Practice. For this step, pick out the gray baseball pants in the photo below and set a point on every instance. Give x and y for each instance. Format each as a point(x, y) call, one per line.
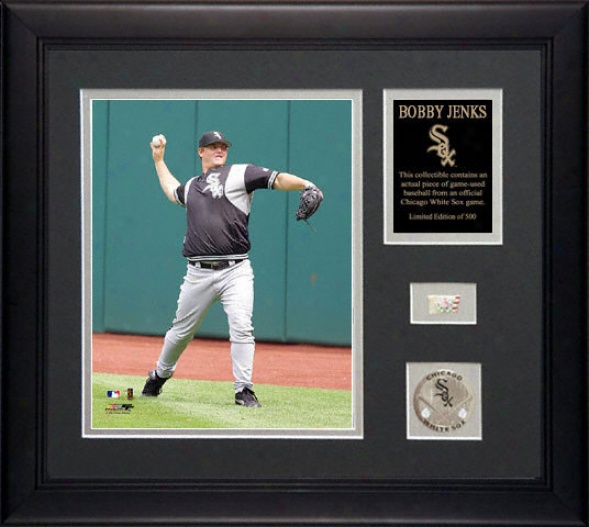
point(234, 287)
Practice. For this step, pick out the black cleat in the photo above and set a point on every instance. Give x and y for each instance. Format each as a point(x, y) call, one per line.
point(153, 385)
point(247, 398)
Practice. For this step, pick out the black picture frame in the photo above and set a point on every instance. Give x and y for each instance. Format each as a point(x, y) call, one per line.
point(33, 495)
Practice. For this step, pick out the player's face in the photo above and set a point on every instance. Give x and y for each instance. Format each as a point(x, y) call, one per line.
point(213, 155)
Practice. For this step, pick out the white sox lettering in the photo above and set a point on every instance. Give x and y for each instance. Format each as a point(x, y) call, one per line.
point(442, 147)
point(214, 186)
point(444, 392)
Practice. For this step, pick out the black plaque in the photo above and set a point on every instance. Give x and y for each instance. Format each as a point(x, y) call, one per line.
point(443, 171)
point(443, 166)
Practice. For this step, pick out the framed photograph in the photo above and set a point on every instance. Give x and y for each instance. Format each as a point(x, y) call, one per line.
point(78, 265)
point(307, 346)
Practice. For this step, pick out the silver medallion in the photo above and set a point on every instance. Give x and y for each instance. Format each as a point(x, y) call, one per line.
point(443, 401)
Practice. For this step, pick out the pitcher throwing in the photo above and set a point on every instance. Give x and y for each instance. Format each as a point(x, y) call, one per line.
point(216, 247)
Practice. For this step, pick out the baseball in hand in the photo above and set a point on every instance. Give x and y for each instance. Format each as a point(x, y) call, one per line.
point(157, 140)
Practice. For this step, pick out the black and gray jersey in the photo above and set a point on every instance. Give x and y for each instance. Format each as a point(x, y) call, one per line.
point(218, 206)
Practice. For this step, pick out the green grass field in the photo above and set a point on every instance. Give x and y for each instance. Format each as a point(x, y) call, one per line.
point(204, 404)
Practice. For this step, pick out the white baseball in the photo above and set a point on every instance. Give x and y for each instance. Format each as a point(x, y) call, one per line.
point(156, 140)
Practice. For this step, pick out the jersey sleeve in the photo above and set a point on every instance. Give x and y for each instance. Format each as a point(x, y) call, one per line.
point(179, 195)
point(258, 177)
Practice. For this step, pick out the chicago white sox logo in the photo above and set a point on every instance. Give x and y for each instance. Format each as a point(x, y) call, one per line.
point(217, 135)
point(444, 392)
point(214, 185)
point(443, 144)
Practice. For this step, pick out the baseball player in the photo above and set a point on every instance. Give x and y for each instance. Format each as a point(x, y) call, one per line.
point(216, 247)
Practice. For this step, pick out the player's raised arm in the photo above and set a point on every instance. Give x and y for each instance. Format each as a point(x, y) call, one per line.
point(287, 182)
point(167, 181)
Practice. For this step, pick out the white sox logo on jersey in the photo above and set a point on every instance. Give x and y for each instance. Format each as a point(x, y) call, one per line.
point(442, 147)
point(214, 185)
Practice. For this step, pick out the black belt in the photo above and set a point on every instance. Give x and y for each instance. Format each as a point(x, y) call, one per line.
point(217, 265)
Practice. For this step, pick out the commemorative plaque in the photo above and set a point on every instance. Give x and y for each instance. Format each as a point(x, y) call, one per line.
point(442, 166)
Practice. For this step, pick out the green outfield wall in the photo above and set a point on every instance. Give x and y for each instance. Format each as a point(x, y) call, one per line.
point(302, 275)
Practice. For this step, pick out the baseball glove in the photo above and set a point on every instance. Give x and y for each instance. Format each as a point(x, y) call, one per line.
point(309, 202)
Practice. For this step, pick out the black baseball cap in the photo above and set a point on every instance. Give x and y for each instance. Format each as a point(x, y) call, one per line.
point(208, 138)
